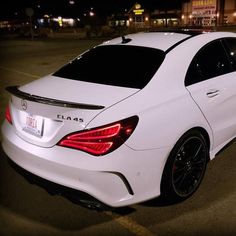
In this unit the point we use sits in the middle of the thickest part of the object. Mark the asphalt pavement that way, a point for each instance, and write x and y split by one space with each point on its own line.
28 209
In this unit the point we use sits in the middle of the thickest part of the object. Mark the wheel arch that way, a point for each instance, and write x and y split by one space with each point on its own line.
205 135
165 174
203 132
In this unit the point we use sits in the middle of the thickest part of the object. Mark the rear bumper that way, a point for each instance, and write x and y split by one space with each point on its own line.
120 178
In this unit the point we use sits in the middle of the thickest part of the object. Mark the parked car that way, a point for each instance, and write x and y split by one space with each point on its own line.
131 119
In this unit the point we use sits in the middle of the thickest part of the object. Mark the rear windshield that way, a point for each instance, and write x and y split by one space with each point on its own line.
117 65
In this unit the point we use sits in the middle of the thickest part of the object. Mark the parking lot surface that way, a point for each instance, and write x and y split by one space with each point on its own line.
27 209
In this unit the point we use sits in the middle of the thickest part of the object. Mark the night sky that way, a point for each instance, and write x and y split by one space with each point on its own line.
13 9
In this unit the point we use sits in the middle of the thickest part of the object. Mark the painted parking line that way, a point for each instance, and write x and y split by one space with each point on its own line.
130 224
19 72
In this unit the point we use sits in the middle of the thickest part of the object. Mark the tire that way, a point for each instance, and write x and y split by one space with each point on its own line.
185 167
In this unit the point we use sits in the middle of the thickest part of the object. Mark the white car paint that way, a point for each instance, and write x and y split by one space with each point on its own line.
166 110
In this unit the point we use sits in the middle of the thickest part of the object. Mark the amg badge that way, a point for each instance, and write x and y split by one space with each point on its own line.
62 117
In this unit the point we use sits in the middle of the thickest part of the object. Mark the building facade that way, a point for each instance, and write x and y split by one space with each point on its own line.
209 12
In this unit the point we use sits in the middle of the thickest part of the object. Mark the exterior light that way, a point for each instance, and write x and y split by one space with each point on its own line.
146 18
60 21
182 17
137 6
91 13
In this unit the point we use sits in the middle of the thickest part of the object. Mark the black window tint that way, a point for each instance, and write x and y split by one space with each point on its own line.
194 74
117 65
210 61
231 48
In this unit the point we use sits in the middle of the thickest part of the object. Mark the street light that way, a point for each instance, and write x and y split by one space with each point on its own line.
91 13
71 2
30 12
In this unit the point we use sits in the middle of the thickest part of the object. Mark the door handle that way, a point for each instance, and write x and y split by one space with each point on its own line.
212 93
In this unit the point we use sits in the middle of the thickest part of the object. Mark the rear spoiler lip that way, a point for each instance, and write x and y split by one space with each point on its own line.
14 90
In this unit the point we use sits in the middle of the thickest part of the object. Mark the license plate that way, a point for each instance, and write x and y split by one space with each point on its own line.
33 125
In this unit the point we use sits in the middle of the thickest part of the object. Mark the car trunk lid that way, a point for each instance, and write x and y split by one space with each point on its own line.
46 110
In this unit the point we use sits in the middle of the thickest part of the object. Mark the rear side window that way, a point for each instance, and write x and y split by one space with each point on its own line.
231 49
116 65
210 61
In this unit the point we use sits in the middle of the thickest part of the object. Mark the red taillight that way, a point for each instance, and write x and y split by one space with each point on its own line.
101 140
8 114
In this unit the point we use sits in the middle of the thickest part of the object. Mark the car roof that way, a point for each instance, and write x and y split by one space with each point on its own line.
161 40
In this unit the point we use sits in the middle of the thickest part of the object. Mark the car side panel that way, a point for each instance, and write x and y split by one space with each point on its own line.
217 99
161 124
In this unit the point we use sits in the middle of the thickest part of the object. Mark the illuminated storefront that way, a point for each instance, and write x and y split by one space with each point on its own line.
138 17
204 12
209 12
167 18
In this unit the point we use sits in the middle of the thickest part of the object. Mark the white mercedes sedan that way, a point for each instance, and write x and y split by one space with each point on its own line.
129 120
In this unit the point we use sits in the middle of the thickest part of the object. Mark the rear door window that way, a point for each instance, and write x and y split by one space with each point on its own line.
116 65
231 49
211 61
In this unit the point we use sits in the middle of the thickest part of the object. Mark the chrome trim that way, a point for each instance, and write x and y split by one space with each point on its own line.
50 101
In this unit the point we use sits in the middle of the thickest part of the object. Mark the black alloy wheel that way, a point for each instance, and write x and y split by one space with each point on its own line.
185 167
